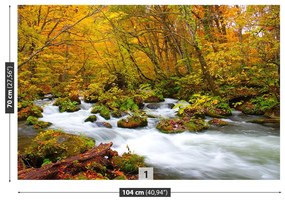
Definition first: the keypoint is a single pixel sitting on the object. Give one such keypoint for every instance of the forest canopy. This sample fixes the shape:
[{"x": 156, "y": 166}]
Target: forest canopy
[{"x": 176, "y": 49}]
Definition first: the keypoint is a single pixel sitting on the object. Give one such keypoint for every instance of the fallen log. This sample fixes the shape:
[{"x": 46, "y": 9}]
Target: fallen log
[{"x": 99, "y": 156}]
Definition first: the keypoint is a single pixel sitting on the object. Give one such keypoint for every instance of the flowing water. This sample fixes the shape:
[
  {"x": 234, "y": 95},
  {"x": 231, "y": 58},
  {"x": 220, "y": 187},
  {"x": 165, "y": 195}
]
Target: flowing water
[{"x": 241, "y": 150}]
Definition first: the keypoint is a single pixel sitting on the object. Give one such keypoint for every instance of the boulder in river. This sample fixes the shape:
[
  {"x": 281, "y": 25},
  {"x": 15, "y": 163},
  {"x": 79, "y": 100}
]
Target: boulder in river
[
  {"x": 134, "y": 121},
  {"x": 91, "y": 118},
  {"x": 102, "y": 110},
  {"x": 175, "y": 125},
  {"x": 218, "y": 122},
  {"x": 266, "y": 120},
  {"x": 153, "y": 106},
  {"x": 196, "y": 124},
  {"x": 250, "y": 108},
  {"x": 66, "y": 105},
  {"x": 178, "y": 125},
  {"x": 104, "y": 124},
  {"x": 37, "y": 124},
  {"x": 217, "y": 112},
  {"x": 154, "y": 99}
]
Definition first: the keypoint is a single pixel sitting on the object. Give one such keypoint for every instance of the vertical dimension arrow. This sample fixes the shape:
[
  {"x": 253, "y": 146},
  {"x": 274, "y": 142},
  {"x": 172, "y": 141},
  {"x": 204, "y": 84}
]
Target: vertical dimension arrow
[{"x": 9, "y": 90}]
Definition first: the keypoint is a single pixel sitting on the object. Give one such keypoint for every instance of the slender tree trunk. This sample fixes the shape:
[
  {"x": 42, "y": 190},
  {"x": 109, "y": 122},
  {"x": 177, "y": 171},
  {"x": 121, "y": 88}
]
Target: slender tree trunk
[{"x": 205, "y": 70}]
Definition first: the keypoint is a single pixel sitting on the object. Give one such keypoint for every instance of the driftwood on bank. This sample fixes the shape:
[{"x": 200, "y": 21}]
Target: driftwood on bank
[{"x": 71, "y": 166}]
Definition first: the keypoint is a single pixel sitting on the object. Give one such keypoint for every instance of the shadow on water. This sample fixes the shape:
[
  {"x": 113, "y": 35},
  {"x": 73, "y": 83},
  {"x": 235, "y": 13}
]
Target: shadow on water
[{"x": 25, "y": 135}]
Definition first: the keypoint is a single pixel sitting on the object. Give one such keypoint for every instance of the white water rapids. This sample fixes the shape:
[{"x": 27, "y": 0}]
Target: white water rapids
[{"x": 241, "y": 150}]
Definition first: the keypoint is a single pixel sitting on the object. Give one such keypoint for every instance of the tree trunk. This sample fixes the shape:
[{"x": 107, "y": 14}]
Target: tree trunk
[
  {"x": 205, "y": 70},
  {"x": 72, "y": 165}
]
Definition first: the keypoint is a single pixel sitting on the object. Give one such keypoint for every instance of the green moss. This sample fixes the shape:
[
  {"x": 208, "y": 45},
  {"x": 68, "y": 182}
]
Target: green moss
[
  {"x": 175, "y": 125},
  {"x": 178, "y": 125},
  {"x": 129, "y": 163},
  {"x": 259, "y": 105},
  {"x": 55, "y": 145},
  {"x": 99, "y": 168},
  {"x": 121, "y": 177},
  {"x": 46, "y": 162},
  {"x": 265, "y": 120},
  {"x": 66, "y": 105},
  {"x": 196, "y": 124},
  {"x": 134, "y": 121},
  {"x": 129, "y": 105},
  {"x": 102, "y": 110},
  {"x": 29, "y": 109},
  {"x": 91, "y": 118},
  {"x": 42, "y": 125},
  {"x": 250, "y": 108},
  {"x": 218, "y": 122},
  {"x": 31, "y": 120}
]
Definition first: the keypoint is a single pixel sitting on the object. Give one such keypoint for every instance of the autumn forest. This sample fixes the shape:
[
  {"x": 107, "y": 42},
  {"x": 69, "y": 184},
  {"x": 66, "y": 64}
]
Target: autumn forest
[{"x": 104, "y": 80}]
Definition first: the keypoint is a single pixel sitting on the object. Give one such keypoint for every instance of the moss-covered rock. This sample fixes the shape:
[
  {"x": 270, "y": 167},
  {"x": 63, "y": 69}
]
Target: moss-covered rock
[
  {"x": 31, "y": 120},
  {"x": 42, "y": 124},
  {"x": 175, "y": 125},
  {"x": 217, "y": 112},
  {"x": 218, "y": 122},
  {"x": 196, "y": 124},
  {"x": 91, "y": 118},
  {"x": 265, "y": 120},
  {"x": 193, "y": 112},
  {"x": 128, "y": 104},
  {"x": 260, "y": 105},
  {"x": 134, "y": 121},
  {"x": 74, "y": 97},
  {"x": 29, "y": 110},
  {"x": 178, "y": 125},
  {"x": 66, "y": 105},
  {"x": 250, "y": 108},
  {"x": 102, "y": 110},
  {"x": 118, "y": 113},
  {"x": 274, "y": 112},
  {"x": 154, "y": 99},
  {"x": 129, "y": 163},
  {"x": 55, "y": 145}
]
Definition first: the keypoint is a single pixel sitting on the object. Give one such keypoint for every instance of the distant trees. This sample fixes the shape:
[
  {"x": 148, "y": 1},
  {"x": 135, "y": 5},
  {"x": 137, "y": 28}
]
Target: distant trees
[{"x": 219, "y": 44}]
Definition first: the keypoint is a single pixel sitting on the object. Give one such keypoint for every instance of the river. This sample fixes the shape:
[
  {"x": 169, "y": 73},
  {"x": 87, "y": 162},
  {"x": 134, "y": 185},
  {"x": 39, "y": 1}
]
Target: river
[{"x": 240, "y": 150}]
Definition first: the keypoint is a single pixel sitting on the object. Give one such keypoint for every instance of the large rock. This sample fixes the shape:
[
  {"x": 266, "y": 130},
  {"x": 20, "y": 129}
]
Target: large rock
[
  {"x": 132, "y": 122},
  {"x": 66, "y": 105},
  {"x": 217, "y": 112},
  {"x": 250, "y": 108},
  {"x": 178, "y": 125},
  {"x": 175, "y": 125},
  {"x": 104, "y": 124},
  {"x": 52, "y": 145},
  {"x": 91, "y": 118},
  {"x": 218, "y": 122},
  {"x": 265, "y": 120},
  {"x": 102, "y": 110},
  {"x": 153, "y": 106},
  {"x": 153, "y": 99}
]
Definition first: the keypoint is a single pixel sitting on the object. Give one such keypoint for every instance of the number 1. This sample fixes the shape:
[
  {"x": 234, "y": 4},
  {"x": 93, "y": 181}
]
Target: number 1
[{"x": 145, "y": 173}]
